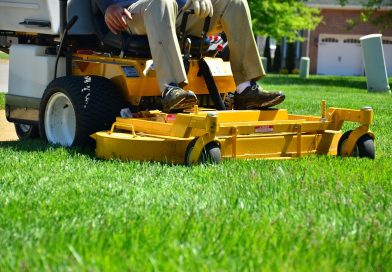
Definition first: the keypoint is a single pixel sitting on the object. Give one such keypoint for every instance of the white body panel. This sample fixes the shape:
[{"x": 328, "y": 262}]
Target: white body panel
[
  {"x": 30, "y": 70},
  {"x": 13, "y": 12}
]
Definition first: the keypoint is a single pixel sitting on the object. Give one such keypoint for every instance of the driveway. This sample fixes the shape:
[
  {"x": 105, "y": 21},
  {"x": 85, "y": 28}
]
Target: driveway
[{"x": 7, "y": 130}]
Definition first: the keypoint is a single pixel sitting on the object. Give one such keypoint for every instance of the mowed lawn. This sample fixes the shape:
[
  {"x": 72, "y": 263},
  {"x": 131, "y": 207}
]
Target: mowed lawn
[{"x": 64, "y": 210}]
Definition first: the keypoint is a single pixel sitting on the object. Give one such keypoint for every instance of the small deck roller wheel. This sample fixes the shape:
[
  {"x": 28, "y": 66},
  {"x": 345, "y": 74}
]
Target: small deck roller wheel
[
  {"x": 364, "y": 147},
  {"x": 211, "y": 153},
  {"x": 26, "y": 131}
]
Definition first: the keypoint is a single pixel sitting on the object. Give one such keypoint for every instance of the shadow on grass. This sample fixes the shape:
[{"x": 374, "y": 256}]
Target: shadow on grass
[
  {"x": 352, "y": 82},
  {"x": 38, "y": 145},
  {"x": 26, "y": 145}
]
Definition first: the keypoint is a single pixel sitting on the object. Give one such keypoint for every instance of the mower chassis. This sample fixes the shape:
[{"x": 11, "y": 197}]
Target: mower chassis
[{"x": 136, "y": 77}]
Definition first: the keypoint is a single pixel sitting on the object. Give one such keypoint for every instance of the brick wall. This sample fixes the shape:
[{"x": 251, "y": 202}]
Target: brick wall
[{"x": 334, "y": 22}]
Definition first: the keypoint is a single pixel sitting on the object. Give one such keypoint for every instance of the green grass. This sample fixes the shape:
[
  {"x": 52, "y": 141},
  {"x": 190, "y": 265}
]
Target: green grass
[
  {"x": 63, "y": 209},
  {"x": 2, "y": 101},
  {"x": 3, "y": 55}
]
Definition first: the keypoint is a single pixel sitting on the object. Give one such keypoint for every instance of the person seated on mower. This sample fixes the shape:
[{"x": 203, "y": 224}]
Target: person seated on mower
[{"x": 159, "y": 19}]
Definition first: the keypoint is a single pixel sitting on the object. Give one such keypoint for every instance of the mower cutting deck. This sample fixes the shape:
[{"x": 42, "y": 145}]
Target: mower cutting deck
[{"x": 205, "y": 135}]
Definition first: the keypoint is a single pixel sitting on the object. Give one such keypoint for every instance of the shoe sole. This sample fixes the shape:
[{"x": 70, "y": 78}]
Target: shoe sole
[
  {"x": 267, "y": 104},
  {"x": 181, "y": 105}
]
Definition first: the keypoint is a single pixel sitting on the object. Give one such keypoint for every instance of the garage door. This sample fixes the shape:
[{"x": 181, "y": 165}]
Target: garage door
[
  {"x": 342, "y": 55},
  {"x": 339, "y": 55}
]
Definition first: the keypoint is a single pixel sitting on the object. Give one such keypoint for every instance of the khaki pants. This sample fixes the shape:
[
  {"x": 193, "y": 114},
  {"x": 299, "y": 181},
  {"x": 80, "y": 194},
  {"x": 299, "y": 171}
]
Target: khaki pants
[{"x": 160, "y": 19}]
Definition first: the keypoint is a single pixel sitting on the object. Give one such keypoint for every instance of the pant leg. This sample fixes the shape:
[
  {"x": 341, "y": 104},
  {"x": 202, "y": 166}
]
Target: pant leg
[
  {"x": 244, "y": 56},
  {"x": 157, "y": 19},
  {"x": 233, "y": 17}
]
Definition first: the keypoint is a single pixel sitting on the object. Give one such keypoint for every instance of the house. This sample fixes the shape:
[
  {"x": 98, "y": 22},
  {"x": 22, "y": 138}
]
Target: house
[{"x": 333, "y": 48}]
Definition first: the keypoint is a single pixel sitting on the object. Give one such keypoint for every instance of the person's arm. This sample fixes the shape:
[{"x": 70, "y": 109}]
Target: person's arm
[{"x": 115, "y": 14}]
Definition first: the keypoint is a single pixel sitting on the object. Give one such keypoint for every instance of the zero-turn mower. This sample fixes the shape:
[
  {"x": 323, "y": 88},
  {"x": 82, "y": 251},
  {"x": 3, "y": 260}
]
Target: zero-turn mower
[{"x": 71, "y": 79}]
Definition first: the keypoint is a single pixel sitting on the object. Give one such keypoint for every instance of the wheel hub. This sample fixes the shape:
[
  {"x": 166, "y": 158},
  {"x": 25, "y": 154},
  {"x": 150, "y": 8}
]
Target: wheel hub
[{"x": 60, "y": 120}]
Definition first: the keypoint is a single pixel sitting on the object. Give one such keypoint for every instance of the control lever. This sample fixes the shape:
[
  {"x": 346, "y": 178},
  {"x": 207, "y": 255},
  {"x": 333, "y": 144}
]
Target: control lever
[
  {"x": 187, "y": 56},
  {"x": 204, "y": 32},
  {"x": 204, "y": 68}
]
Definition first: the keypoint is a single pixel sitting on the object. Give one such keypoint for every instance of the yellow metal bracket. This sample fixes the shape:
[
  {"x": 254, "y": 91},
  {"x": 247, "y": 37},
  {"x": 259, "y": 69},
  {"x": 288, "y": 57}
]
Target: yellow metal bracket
[
  {"x": 212, "y": 128},
  {"x": 337, "y": 116},
  {"x": 234, "y": 134},
  {"x": 299, "y": 139},
  {"x": 124, "y": 126},
  {"x": 323, "y": 110}
]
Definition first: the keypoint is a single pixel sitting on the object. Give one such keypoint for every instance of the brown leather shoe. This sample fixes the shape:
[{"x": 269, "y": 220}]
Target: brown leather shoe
[
  {"x": 253, "y": 97},
  {"x": 174, "y": 99}
]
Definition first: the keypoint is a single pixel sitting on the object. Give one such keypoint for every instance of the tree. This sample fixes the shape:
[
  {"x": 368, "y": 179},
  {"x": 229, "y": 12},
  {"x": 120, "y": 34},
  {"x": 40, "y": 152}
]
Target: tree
[
  {"x": 369, "y": 14},
  {"x": 290, "y": 57},
  {"x": 280, "y": 18},
  {"x": 267, "y": 54},
  {"x": 278, "y": 59}
]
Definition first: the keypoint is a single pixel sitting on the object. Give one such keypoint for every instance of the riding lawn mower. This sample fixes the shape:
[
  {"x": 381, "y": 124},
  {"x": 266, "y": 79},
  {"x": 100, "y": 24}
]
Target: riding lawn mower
[{"x": 74, "y": 83}]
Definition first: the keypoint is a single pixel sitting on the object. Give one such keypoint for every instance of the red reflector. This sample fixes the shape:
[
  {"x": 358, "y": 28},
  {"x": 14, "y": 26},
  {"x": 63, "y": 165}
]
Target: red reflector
[
  {"x": 171, "y": 117},
  {"x": 261, "y": 129}
]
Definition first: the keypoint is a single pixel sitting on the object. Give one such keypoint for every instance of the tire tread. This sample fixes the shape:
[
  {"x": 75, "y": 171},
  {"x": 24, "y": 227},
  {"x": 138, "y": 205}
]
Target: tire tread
[{"x": 104, "y": 103}]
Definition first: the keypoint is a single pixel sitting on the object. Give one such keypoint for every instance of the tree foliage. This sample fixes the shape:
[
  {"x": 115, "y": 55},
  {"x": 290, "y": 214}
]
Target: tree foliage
[
  {"x": 282, "y": 18},
  {"x": 369, "y": 14}
]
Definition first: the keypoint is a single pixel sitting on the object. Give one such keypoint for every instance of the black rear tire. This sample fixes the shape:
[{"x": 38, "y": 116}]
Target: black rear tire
[
  {"x": 74, "y": 107},
  {"x": 364, "y": 147}
]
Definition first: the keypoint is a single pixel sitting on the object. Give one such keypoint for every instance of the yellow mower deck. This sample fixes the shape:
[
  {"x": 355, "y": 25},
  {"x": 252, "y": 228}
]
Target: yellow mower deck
[{"x": 273, "y": 134}]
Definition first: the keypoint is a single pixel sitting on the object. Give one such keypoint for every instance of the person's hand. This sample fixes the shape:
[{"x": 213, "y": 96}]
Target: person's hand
[
  {"x": 115, "y": 18},
  {"x": 202, "y": 8}
]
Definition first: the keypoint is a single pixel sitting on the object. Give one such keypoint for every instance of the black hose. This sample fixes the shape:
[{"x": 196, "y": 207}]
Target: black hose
[{"x": 63, "y": 39}]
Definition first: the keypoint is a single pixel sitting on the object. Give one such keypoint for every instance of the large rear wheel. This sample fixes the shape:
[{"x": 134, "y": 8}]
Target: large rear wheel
[{"x": 74, "y": 107}]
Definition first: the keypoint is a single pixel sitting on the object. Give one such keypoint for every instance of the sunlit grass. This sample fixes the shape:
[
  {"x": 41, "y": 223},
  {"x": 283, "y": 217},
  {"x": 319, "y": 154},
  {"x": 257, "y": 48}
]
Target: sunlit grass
[
  {"x": 3, "y": 55},
  {"x": 63, "y": 209}
]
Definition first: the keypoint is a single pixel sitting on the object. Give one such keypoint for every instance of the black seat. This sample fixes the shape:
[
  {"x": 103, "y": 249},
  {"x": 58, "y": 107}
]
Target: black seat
[{"x": 134, "y": 45}]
